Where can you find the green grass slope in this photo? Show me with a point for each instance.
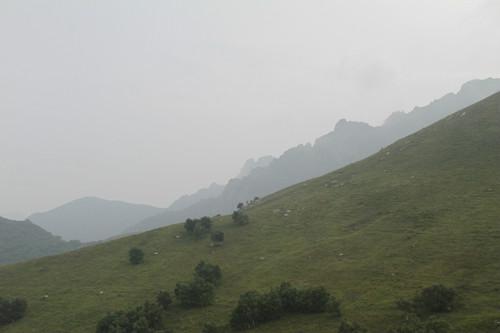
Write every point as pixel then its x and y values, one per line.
pixel 424 210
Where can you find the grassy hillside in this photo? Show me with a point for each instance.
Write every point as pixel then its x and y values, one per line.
pixel 349 142
pixel 22 240
pixel 421 211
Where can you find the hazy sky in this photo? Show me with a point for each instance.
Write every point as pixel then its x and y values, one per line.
pixel 143 101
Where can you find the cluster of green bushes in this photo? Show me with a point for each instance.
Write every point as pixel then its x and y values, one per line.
pixel 12 310
pixel 431 300
pixel 200 291
pixel 198 227
pixel 255 308
pixel 239 217
pixel 135 256
pixel 146 318
pixel 418 311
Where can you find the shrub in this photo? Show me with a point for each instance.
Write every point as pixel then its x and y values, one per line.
pixel 313 300
pixel 198 227
pixel 208 272
pixel 218 236
pixel 189 225
pixel 240 218
pixel 196 293
pixel 144 319
pixel 254 308
pixel 431 300
pixel 348 327
pixel 163 299
pixel 436 299
pixel 310 300
pixel 136 256
pixel 12 310
pixel 206 223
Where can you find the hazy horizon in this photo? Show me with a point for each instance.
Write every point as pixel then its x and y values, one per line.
pixel 144 102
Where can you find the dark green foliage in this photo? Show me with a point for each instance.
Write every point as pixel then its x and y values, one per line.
pixel 136 256
pixel 240 205
pixel 189 225
pixel 143 319
pixel 196 293
pixel 12 310
pixel 163 299
pixel 198 227
pixel 218 236
pixel 436 299
pixel 310 300
pixel 240 218
pixel 349 327
pixel 254 308
pixel 431 300
pixel 208 272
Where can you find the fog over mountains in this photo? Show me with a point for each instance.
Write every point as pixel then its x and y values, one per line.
pixel 91 219
pixel 350 141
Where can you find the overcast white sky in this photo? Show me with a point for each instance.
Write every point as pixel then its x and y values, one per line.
pixel 143 101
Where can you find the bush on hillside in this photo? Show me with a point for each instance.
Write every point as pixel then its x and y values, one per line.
pixel 350 327
pixel 217 237
pixel 431 300
pixel 12 310
pixel 198 227
pixel 196 293
pixel 254 308
pixel 308 300
pixel 436 299
pixel 208 272
pixel 189 225
pixel 163 299
pixel 144 319
pixel 136 256
pixel 240 218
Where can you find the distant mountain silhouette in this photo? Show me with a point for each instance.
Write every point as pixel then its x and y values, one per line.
pixel 252 164
pixel 349 142
pixel 188 200
pixel 22 240
pixel 92 219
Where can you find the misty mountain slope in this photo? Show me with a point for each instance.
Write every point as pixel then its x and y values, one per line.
pixel 213 191
pixel 348 142
pixel 92 219
pixel 252 164
pixel 423 210
pixel 22 240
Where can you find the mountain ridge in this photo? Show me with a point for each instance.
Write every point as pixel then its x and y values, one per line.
pixel 91 218
pixel 350 141
pixel 23 240
pixel 421 211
